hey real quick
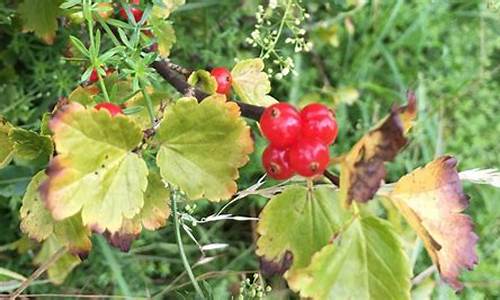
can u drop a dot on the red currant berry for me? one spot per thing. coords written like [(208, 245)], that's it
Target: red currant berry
[(112, 108), (276, 163), (223, 78), (280, 124), (309, 157), (136, 12), (93, 76), (319, 122)]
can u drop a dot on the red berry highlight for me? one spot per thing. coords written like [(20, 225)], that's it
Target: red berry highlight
[(112, 108), (319, 122), (280, 123), (223, 78), (309, 157), (276, 162)]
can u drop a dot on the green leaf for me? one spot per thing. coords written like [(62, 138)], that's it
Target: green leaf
[(153, 215), (166, 7), (29, 145), (203, 80), (202, 147), (365, 262), (40, 16), (250, 83), (165, 34), (299, 222), (83, 95), (6, 145), (96, 171), (62, 267), (38, 224), (137, 101)]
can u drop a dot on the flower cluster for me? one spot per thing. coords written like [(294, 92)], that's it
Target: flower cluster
[(280, 24)]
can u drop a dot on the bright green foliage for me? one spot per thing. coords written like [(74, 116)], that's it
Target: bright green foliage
[(95, 171), (40, 16), (167, 7), (38, 224), (202, 147), (29, 145), (300, 221), (138, 102), (365, 262), (203, 80), (165, 35), (6, 145), (62, 267), (250, 82)]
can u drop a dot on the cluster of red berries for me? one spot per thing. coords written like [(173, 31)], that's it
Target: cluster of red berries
[(298, 140)]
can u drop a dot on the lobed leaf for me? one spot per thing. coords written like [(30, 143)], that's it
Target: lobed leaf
[(6, 145), (365, 262), (96, 171), (165, 34), (297, 223), (29, 145), (432, 201), (153, 215), (202, 145), (38, 224), (250, 82), (166, 7), (40, 16), (363, 169)]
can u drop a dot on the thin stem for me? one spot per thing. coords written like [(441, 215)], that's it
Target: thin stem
[(187, 267), (280, 29), (149, 103), (55, 257), (103, 87)]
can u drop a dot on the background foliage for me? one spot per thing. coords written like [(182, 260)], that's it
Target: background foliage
[(365, 56)]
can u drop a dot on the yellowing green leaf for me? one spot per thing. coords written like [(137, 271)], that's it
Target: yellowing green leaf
[(83, 95), (366, 262), (62, 267), (202, 147), (432, 200), (38, 224), (142, 117), (250, 82), (96, 171), (203, 80), (165, 34), (153, 215), (297, 223), (40, 16), (167, 7), (363, 169), (29, 145), (6, 145)]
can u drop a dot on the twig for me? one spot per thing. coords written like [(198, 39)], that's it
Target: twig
[(58, 254)]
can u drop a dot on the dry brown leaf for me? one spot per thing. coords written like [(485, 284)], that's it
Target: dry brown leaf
[(432, 200), (362, 169)]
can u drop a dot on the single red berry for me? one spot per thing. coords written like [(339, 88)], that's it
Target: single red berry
[(276, 162), (93, 76), (309, 157), (223, 78), (112, 108), (136, 12), (136, 2), (280, 124), (319, 122)]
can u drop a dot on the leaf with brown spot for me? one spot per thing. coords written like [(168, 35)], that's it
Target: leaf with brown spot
[(363, 169), (432, 200)]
